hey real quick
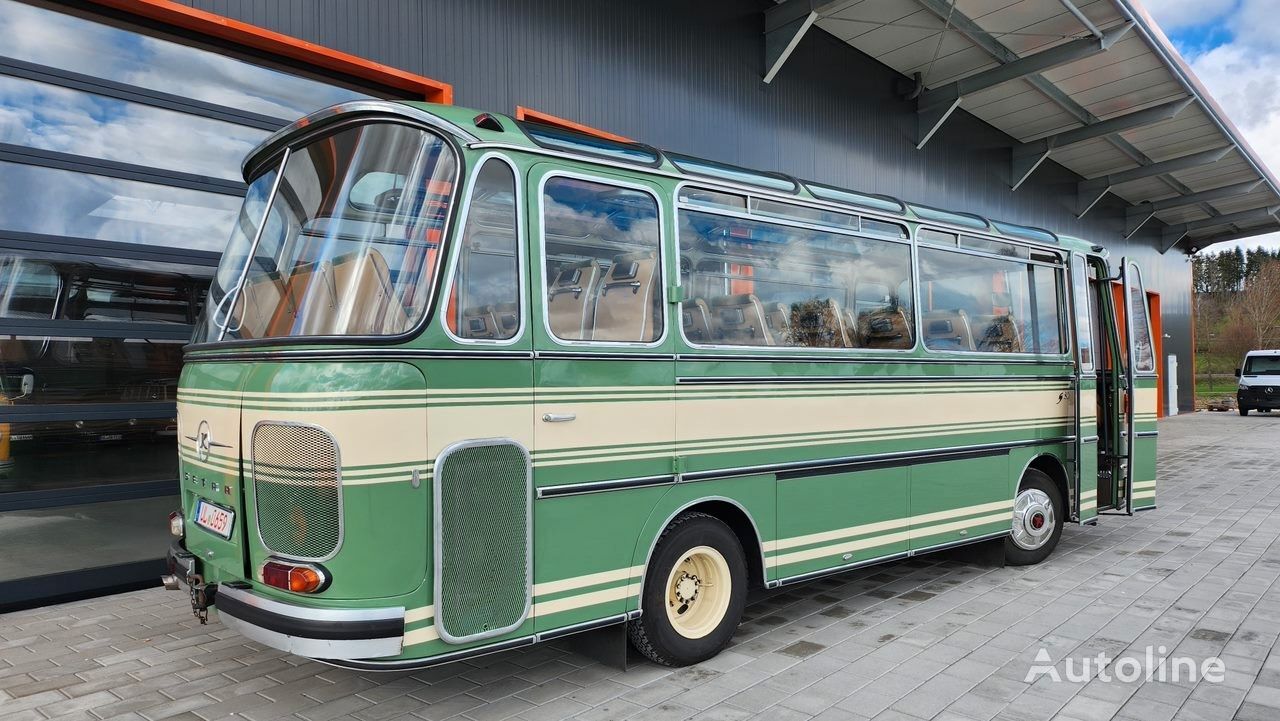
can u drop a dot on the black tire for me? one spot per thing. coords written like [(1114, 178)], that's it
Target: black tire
[(1015, 555), (653, 634), (1244, 411)]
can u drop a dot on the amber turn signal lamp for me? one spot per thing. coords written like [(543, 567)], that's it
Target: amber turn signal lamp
[(296, 578)]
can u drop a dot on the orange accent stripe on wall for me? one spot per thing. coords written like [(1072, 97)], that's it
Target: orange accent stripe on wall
[(537, 116), (252, 36)]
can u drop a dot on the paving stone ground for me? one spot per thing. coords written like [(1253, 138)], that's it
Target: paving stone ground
[(929, 638)]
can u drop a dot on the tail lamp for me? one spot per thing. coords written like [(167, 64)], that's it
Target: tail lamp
[(176, 526), (293, 577)]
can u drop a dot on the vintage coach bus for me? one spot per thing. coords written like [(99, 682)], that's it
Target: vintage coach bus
[(466, 383)]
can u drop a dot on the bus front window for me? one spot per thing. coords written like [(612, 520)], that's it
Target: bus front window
[(348, 243)]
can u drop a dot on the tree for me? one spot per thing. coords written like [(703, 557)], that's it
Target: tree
[(1254, 313)]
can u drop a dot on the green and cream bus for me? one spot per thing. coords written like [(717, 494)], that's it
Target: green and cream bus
[(466, 383)]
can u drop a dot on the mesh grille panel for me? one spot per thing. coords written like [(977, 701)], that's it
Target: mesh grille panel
[(297, 490), (483, 568)]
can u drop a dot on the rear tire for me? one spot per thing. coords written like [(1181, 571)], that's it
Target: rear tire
[(1038, 513), (1244, 411), (695, 588)]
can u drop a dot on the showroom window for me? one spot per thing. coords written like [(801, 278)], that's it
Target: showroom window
[(120, 153)]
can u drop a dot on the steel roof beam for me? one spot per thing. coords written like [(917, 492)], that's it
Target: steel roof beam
[(1028, 156), (785, 25), (1084, 20), (1090, 191), (936, 105), (1135, 216), (1174, 234)]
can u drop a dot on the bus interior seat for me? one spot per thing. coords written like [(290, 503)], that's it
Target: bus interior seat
[(885, 328), (739, 320), (777, 317), (366, 303), (306, 279), (853, 340), (998, 334), (571, 302), (507, 316), (625, 309), (479, 323), (818, 324), (947, 330), (695, 316), (258, 301)]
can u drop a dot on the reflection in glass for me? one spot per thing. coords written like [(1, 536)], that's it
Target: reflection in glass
[(977, 303), (485, 302), (70, 538), (72, 43), (63, 202), (70, 121), (73, 454), (334, 261)]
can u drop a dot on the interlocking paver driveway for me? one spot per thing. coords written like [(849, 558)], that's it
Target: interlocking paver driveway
[(929, 638)]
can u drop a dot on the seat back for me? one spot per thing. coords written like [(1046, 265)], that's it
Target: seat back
[(852, 338), (695, 316), (884, 328), (947, 330), (998, 334), (777, 318), (312, 285), (571, 300), (365, 299), (625, 309), (257, 304), (740, 320)]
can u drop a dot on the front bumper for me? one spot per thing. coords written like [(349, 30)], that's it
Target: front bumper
[(324, 633), (1258, 399)]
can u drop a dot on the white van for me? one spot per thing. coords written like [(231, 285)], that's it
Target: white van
[(1259, 387)]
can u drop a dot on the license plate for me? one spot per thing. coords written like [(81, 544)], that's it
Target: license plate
[(217, 519)]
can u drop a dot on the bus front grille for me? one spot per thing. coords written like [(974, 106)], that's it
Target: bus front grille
[(297, 490), (482, 557)]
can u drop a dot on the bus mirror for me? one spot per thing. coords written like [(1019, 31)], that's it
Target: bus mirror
[(1237, 373)]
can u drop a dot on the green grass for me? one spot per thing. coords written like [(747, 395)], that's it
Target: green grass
[(1220, 386)]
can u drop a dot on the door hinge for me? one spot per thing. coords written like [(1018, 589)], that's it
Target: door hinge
[(677, 466)]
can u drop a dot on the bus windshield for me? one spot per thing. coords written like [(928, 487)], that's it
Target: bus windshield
[(342, 240)]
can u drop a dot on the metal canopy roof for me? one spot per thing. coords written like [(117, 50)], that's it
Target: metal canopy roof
[(1096, 86)]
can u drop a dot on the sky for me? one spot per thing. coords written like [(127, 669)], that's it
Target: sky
[(1233, 47)]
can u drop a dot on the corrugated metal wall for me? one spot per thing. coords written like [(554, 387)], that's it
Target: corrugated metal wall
[(686, 76)]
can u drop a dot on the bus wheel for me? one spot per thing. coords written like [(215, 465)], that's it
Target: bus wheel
[(694, 590), (1037, 520)]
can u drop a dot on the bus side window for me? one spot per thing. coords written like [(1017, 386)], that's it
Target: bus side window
[(603, 265), (484, 298), (990, 305), (762, 282)]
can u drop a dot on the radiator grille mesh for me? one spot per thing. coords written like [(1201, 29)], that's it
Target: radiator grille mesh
[(297, 490), (483, 572)]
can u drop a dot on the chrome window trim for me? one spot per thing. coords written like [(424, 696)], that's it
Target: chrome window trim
[(800, 351), (324, 116), (521, 261), (1063, 356), (784, 220), (1079, 262), (663, 232), (253, 474), (720, 184), (437, 520)]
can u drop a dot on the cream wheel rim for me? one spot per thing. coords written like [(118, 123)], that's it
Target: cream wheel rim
[(698, 591)]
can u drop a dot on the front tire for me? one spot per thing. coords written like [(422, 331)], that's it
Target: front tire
[(1244, 411), (1038, 513), (695, 588)]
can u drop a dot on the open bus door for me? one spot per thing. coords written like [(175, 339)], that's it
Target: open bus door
[(1083, 499)]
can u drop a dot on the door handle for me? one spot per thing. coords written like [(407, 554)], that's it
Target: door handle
[(558, 417)]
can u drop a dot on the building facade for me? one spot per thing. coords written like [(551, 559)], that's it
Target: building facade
[(122, 131)]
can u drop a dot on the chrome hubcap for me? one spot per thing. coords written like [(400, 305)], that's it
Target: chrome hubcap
[(1033, 519)]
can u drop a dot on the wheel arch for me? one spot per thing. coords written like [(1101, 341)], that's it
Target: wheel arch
[(1053, 467), (739, 520)]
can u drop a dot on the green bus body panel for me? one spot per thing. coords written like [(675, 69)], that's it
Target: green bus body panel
[(1144, 447), (1088, 501), (665, 417)]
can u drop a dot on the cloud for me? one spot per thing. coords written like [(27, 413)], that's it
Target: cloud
[(1179, 14)]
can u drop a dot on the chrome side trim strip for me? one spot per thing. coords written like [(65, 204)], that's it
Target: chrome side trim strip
[(748, 380), (886, 559), (1145, 434), (314, 647), (618, 484)]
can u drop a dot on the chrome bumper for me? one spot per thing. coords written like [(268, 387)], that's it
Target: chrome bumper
[(324, 633)]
